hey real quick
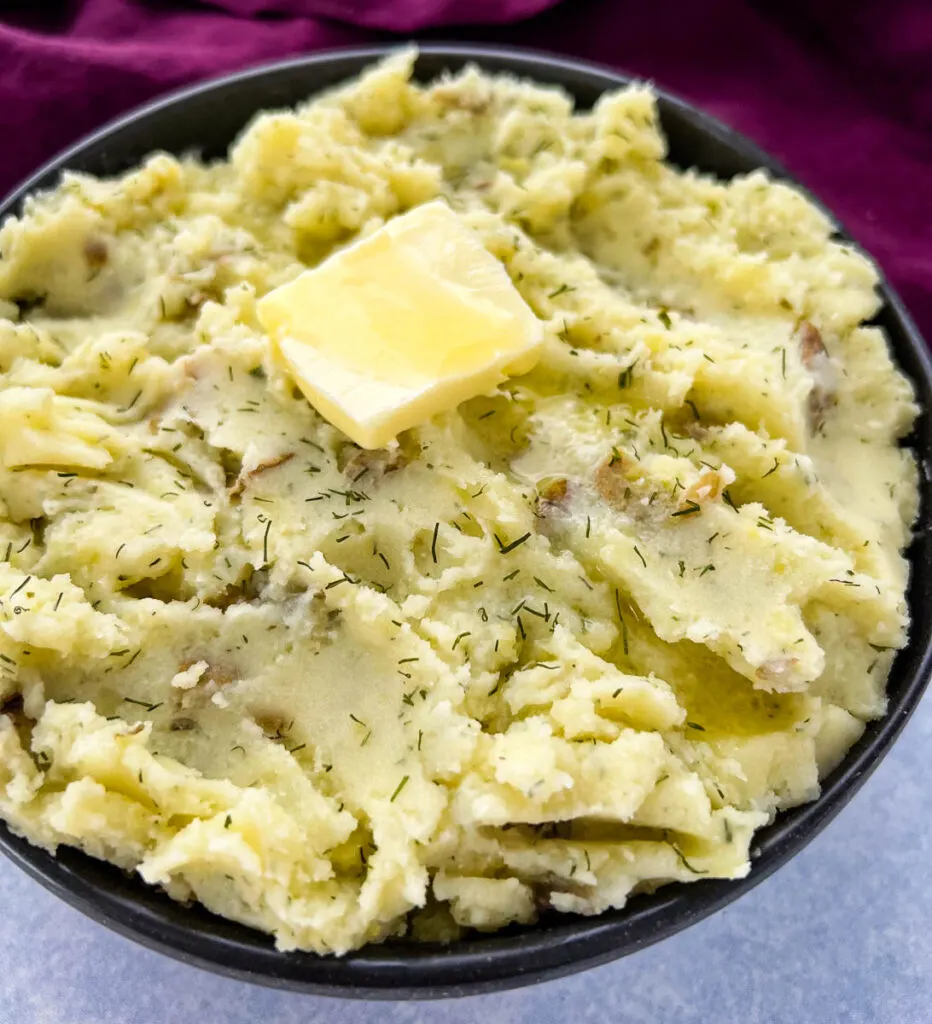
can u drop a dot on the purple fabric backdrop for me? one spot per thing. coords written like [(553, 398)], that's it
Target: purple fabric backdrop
[(841, 90)]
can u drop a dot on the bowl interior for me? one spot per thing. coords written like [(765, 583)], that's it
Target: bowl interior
[(206, 119)]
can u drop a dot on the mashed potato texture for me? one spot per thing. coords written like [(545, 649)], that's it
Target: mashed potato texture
[(573, 640)]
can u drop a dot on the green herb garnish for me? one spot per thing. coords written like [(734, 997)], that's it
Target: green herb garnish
[(621, 619), (265, 542), (691, 508), (462, 636), (504, 549)]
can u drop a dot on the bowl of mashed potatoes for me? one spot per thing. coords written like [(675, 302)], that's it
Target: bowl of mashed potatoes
[(494, 691)]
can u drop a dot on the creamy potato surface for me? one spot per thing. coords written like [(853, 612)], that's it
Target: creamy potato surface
[(572, 640)]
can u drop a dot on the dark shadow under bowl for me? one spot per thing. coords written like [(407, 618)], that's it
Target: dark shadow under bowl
[(206, 118)]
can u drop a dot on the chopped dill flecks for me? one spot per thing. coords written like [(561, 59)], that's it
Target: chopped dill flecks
[(401, 785), (621, 619), (142, 703), (504, 549), (685, 862), (461, 636), (265, 542), (134, 400), (691, 508)]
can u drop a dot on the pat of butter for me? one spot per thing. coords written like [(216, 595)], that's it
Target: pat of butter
[(402, 325)]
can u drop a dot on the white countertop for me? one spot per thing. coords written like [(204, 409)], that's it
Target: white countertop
[(841, 934)]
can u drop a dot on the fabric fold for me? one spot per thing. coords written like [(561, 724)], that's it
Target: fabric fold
[(391, 15)]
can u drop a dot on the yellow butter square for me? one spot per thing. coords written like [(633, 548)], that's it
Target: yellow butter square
[(398, 327)]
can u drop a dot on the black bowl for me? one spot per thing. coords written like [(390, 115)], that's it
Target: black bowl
[(206, 118)]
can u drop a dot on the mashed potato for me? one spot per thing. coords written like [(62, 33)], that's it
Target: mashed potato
[(573, 640)]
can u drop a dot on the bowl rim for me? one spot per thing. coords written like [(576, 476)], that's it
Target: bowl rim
[(559, 946)]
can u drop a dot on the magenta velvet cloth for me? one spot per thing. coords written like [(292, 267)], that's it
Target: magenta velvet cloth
[(840, 90)]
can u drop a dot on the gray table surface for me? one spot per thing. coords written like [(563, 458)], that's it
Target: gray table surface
[(841, 934)]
